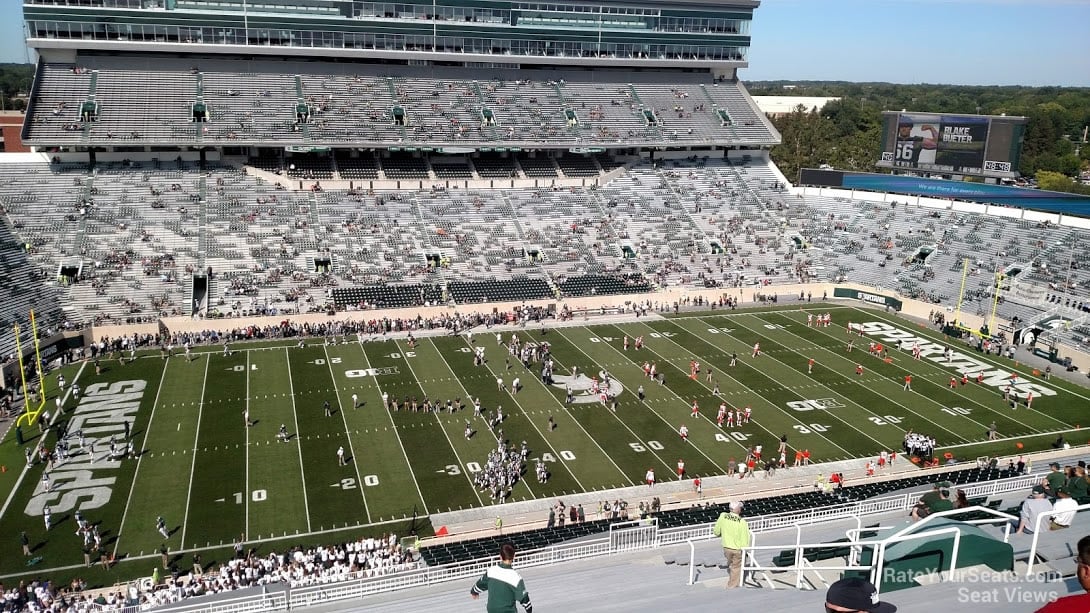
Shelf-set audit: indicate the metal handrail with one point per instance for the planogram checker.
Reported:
(311, 595)
(1037, 532)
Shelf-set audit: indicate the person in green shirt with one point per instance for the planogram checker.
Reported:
(933, 502)
(1077, 485)
(1055, 479)
(504, 585)
(933, 495)
(733, 533)
(943, 503)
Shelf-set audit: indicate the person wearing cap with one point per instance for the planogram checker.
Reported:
(1054, 480)
(733, 533)
(1064, 502)
(1031, 508)
(1075, 602)
(933, 496)
(854, 594)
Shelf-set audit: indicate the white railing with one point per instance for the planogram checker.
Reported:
(1037, 532)
(642, 537)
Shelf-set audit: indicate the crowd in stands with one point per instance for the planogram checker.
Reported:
(298, 567)
(1061, 490)
(334, 331)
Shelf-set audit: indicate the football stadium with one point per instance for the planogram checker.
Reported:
(318, 303)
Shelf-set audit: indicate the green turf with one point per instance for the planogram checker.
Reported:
(215, 480)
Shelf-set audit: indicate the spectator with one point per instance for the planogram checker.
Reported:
(1075, 602)
(733, 533)
(853, 594)
(1054, 480)
(1077, 485)
(1064, 502)
(504, 585)
(961, 501)
(1031, 508)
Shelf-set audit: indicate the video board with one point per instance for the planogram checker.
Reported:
(952, 144)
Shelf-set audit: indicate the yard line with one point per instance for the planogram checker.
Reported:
(469, 398)
(648, 405)
(846, 378)
(989, 359)
(140, 458)
(465, 473)
(154, 556)
(423, 502)
(669, 469)
(723, 371)
(831, 391)
(246, 425)
(26, 467)
(546, 439)
(351, 448)
(931, 366)
(1010, 438)
(725, 312)
(298, 446)
(196, 437)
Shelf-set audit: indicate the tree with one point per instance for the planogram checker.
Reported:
(847, 133)
(1057, 182)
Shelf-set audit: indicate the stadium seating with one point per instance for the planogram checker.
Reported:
(388, 296)
(603, 285)
(256, 101)
(497, 290)
(704, 514)
(697, 222)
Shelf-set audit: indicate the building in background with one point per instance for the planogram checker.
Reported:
(11, 126)
(774, 106)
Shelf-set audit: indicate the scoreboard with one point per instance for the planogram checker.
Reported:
(975, 145)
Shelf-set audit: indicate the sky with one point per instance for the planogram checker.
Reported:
(964, 42)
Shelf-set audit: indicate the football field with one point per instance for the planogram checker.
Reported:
(214, 479)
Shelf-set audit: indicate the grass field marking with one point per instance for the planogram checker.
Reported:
(894, 380)
(386, 412)
(748, 365)
(416, 381)
(545, 438)
(139, 458)
(1011, 438)
(298, 444)
(563, 411)
(246, 425)
(469, 399)
(193, 462)
(727, 312)
(725, 373)
(672, 427)
(26, 467)
(847, 399)
(937, 368)
(155, 555)
(840, 374)
(669, 469)
(347, 433)
(983, 357)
